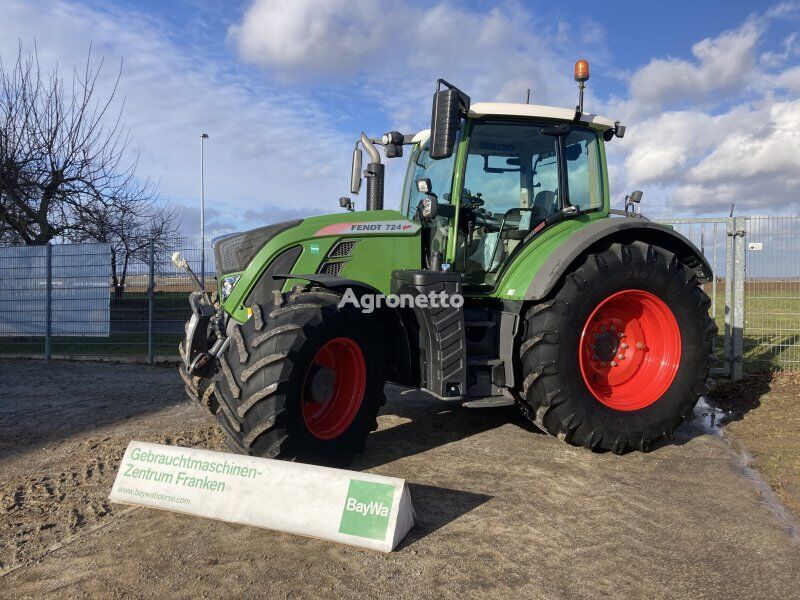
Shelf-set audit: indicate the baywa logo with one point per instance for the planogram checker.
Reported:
(367, 509)
(369, 302)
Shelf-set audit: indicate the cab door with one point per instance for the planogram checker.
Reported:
(516, 174)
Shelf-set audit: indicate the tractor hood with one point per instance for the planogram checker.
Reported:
(373, 241)
(235, 251)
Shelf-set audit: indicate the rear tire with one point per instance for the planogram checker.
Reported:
(273, 402)
(571, 392)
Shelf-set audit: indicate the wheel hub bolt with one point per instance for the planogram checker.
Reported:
(639, 346)
(594, 356)
(624, 346)
(621, 356)
(613, 364)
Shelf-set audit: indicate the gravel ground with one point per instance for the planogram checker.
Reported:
(502, 510)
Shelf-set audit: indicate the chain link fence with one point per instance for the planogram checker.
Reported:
(756, 290)
(79, 301)
(60, 301)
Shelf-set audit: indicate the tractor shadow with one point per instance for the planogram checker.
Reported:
(428, 424)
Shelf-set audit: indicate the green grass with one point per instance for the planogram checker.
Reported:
(116, 344)
(167, 306)
(772, 325)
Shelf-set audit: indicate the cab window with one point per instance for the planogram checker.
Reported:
(512, 183)
(584, 173)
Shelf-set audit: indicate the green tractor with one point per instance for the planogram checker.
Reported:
(503, 279)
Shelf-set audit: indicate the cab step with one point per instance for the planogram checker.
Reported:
(484, 361)
(490, 402)
(479, 324)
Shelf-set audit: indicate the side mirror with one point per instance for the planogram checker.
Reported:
(355, 173)
(444, 123)
(573, 152)
(632, 199)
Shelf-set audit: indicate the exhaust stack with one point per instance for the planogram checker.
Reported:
(374, 174)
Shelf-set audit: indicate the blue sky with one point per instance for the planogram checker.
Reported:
(709, 91)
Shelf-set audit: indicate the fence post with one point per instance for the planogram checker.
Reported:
(739, 232)
(49, 304)
(727, 350)
(151, 300)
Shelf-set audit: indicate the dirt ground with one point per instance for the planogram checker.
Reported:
(762, 416)
(502, 510)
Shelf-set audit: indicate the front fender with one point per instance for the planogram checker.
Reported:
(615, 229)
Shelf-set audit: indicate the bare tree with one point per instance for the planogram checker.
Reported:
(128, 222)
(62, 158)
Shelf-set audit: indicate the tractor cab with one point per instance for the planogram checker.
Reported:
(514, 166)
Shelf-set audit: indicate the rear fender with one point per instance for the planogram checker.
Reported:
(605, 231)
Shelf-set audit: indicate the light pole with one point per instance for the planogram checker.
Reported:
(203, 137)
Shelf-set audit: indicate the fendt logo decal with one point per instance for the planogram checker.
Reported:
(370, 227)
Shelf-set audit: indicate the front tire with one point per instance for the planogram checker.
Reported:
(302, 380)
(617, 357)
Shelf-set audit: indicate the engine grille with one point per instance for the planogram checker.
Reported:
(332, 268)
(342, 249)
(234, 252)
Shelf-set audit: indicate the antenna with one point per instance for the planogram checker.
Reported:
(528, 97)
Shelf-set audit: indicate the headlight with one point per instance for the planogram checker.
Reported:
(227, 285)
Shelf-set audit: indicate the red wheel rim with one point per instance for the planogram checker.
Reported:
(629, 351)
(334, 388)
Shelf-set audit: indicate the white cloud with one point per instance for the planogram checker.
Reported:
(398, 50)
(268, 147)
(723, 66)
(723, 128)
(312, 37)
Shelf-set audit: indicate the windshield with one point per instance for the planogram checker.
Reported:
(422, 166)
(440, 172)
(513, 180)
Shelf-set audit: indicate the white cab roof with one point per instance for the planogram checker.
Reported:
(482, 109)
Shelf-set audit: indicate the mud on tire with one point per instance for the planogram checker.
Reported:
(555, 395)
(262, 385)
(198, 389)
